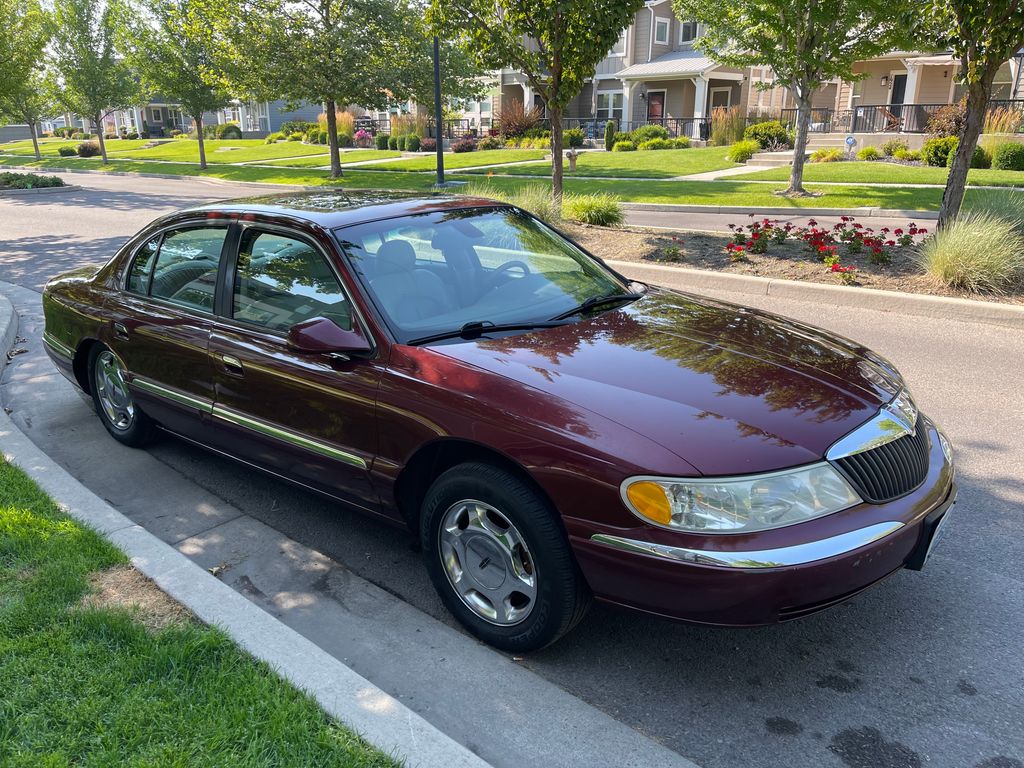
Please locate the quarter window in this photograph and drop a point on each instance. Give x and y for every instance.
(281, 281)
(142, 267)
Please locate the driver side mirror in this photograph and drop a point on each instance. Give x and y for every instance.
(320, 335)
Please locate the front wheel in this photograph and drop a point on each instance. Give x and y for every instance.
(499, 559)
(122, 417)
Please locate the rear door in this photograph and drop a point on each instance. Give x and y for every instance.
(309, 417)
(160, 323)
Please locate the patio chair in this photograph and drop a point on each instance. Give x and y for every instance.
(893, 122)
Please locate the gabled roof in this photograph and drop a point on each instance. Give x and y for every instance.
(674, 64)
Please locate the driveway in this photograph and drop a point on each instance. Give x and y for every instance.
(925, 669)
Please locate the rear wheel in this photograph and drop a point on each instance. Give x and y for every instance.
(115, 405)
(499, 558)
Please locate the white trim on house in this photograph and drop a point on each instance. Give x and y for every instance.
(682, 27)
(728, 96)
(647, 102)
(667, 21)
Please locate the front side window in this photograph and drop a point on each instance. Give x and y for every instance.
(436, 272)
(184, 270)
(281, 281)
(661, 31)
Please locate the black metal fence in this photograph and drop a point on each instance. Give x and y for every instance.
(885, 118)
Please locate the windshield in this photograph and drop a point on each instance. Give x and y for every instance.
(434, 273)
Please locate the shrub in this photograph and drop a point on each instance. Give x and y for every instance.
(980, 159)
(770, 133)
(489, 142)
(428, 145)
(601, 210)
(936, 151)
(229, 131)
(947, 121)
(892, 146)
(869, 153)
(574, 137)
(132, 135)
(274, 137)
(77, 135)
(28, 181)
(656, 144)
(1008, 157)
(66, 151)
(381, 141)
(609, 135)
(392, 142)
(323, 137)
(538, 133)
(683, 142)
(108, 135)
(1008, 206)
(294, 137)
(401, 143)
(346, 125)
(624, 145)
(727, 125)
(464, 145)
(412, 143)
(648, 132)
(977, 252)
(297, 126)
(88, 149)
(175, 133)
(344, 140)
(142, 135)
(831, 155)
(910, 155)
(515, 120)
(742, 151)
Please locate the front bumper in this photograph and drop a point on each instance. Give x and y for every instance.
(767, 577)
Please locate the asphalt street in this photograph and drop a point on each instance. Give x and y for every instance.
(924, 670)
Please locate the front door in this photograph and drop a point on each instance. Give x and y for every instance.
(160, 324)
(899, 94)
(655, 106)
(309, 417)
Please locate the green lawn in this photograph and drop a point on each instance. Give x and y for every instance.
(348, 156)
(49, 147)
(660, 164)
(452, 161)
(888, 173)
(725, 192)
(223, 151)
(95, 685)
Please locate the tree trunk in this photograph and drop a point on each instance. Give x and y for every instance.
(956, 183)
(332, 138)
(198, 120)
(556, 154)
(99, 137)
(803, 124)
(35, 138)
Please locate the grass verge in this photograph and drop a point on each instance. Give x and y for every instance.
(89, 683)
(660, 164)
(887, 173)
(453, 161)
(348, 156)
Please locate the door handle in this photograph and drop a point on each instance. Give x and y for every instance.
(232, 364)
(120, 331)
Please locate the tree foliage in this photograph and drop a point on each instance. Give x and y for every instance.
(557, 44)
(92, 75)
(983, 35)
(176, 60)
(806, 43)
(24, 95)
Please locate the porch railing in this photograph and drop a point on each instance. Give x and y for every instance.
(883, 118)
(594, 127)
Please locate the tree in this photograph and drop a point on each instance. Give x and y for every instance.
(172, 59)
(557, 44)
(94, 79)
(805, 42)
(983, 34)
(23, 36)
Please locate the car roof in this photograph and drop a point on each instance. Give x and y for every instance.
(339, 207)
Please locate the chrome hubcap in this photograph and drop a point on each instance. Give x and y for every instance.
(488, 562)
(112, 391)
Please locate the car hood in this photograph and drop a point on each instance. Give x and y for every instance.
(728, 389)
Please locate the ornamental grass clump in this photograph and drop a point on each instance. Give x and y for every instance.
(535, 199)
(601, 210)
(978, 252)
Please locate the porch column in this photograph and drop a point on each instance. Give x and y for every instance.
(137, 117)
(700, 101)
(914, 72)
(527, 97)
(628, 91)
(243, 117)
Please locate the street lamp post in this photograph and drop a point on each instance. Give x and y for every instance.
(438, 113)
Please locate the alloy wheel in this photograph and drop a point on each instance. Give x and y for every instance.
(112, 391)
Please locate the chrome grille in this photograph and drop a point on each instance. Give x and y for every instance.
(891, 470)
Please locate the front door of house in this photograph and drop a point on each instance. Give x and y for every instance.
(655, 106)
(899, 93)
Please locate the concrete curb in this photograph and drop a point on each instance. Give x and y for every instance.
(947, 307)
(889, 213)
(37, 190)
(379, 718)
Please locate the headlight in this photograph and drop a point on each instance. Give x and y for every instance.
(740, 504)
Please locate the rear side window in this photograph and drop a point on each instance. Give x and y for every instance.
(182, 268)
(281, 281)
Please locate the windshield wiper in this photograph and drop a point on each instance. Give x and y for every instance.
(598, 301)
(477, 328)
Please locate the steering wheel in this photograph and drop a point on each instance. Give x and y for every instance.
(492, 280)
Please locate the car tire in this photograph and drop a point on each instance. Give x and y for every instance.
(499, 558)
(117, 409)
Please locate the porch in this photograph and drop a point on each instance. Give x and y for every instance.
(888, 118)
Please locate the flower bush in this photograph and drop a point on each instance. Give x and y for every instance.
(363, 139)
(464, 145)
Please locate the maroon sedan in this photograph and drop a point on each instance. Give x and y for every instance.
(551, 430)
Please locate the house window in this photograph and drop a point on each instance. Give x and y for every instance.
(661, 31)
(619, 49)
(1002, 86)
(609, 105)
(687, 32)
(485, 106)
(158, 116)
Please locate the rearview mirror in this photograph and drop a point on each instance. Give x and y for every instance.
(324, 336)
